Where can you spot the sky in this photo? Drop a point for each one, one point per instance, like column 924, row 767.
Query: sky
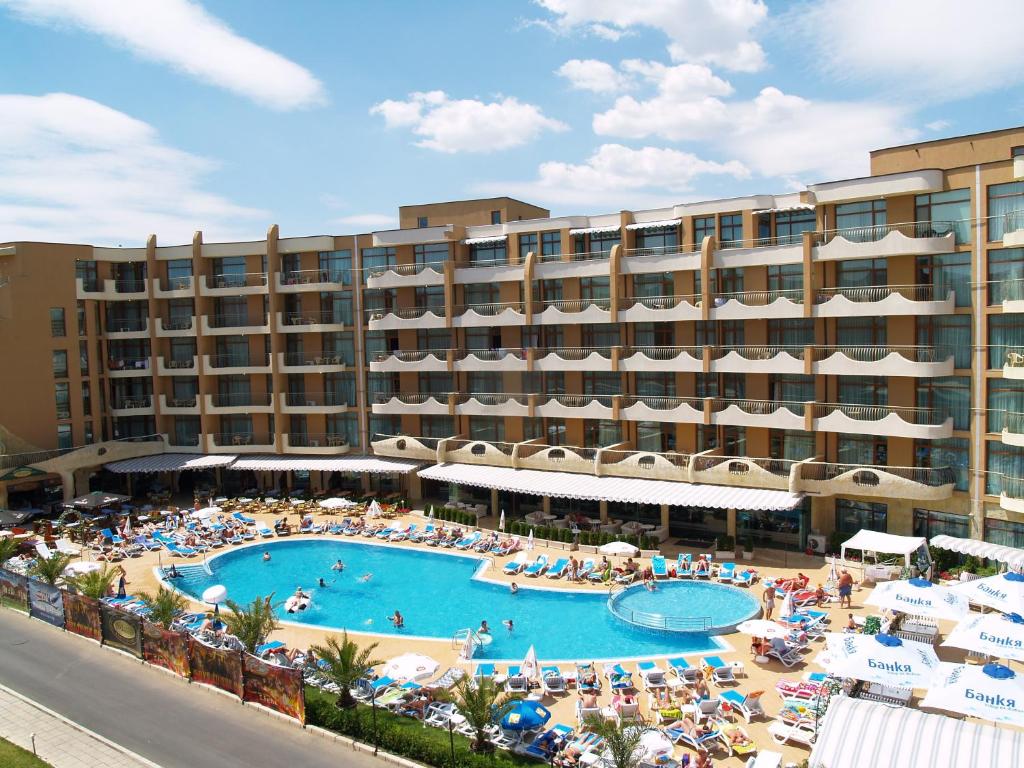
column 121, row 118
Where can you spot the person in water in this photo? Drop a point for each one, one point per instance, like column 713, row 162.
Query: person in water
column 508, row 624
column 397, row 619
column 299, row 594
column 366, row 577
column 484, row 629
column 338, row 566
column 322, row 583
column 266, row 557
column 515, row 588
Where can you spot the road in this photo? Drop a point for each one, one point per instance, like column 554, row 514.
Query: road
column 148, row 713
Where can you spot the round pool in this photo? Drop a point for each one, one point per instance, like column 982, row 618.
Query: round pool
column 438, row 594
column 684, row 606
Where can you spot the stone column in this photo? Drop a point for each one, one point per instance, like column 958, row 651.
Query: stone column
column 604, row 511
column 730, row 523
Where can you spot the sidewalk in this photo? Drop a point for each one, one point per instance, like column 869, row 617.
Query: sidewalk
column 59, row 742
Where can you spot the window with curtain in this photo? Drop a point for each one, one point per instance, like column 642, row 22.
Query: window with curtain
column 949, row 334
column 947, row 272
column 1004, row 396
column 703, row 226
column 1005, row 532
column 1002, row 461
column 931, row 522
column 551, row 243
column 60, row 363
column 599, row 383
column 601, row 336
column 484, row 382
column 863, row 221
column 655, row 384
column 949, row 452
column 491, row 252
column 336, row 266
column 340, row 388
column 654, row 334
column 655, row 436
column 344, row 425
column 653, row 284
column 858, row 273
column 795, row 332
column 594, row 288
column 1005, row 334
column 431, row 253
column 490, row 428
column 602, row 242
column 429, row 296
column 730, row 230
column 386, row 425
column 1005, row 275
column 544, row 382
column 728, row 280
column 527, row 245
column 478, row 293
column 860, row 331
column 1004, row 201
column 793, row 388
column 862, row 449
column 601, row 432
column 852, row 516
column 941, row 212
column 435, row 383
column 337, row 306
column 786, row 277
column 658, row 237
column 791, row 445
column 377, row 259
column 728, row 385
column 948, row 396
column 790, row 225
column 433, row 338
column 437, row 426
column 864, row 390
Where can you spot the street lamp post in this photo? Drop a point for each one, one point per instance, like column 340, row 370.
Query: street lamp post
column 451, row 740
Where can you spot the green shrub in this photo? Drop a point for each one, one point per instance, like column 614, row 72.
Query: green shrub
column 725, row 543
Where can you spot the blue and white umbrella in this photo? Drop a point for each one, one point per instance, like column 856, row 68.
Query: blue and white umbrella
column 994, row 634
column 991, row 692
column 883, row 659
column 525, row 715
column 919, row 597
column 1004, row 592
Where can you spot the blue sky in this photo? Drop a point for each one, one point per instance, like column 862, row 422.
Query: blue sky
column 121, row 117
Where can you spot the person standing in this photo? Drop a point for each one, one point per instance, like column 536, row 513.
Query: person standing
column 122, row 582
column 845, row 589
column 769, row 601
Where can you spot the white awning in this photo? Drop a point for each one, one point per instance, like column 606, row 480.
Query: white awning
column 1012, row 556
column 373, row 464
column 626, row 489
column 482, row 240
column 169, row 462
column 890, row 544
column 857, row 733
column 655, row 224
column 797, row 207
column 594, row 230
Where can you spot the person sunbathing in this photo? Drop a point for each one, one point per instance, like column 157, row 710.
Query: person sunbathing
column 701, row 690
column 588, row 700
column 737, row 737
column 568, row 757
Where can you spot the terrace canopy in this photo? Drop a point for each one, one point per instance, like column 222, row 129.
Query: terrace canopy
column 169, row 462
column 96, row 500
column 357, row 464
column 1012, row 556
column 876, row 541
column 857, row 733
column 622, row 489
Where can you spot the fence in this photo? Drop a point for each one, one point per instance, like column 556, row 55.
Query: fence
column 243, row 675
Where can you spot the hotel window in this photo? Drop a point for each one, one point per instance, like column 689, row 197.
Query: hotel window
column 375, row 260
column 719, row 333
column 786, row 277
column 336, row 265
column 727, row 281
column 340, row 388
column 862, row 222
column 703, row 226
column 730, row 386
column 551, row 243
column 433, row 339
column 179, row 274
column 434, row 383
column 495, row 217
column 381, row 386
column 62, row 396
column 338, row 345
column 64, row 439
column 949, row 452
column 852, row 516
column 527, row 244
column 864, row 390
column 179, row 313
column 1005, row 201
column 491, row 252
column 437, row 426
column 1005, row 275
column 86, row 272
column 421, row 222
column 791, row 388
column 598, row 433
column 60, row 364
column 947, row 272
column 653, row 284
column 83, row 357
column 859, row 273
column 1002, row 461
column 594, row 288
column 57, row 327
column 229, row 272
column 790, row 226
column 1004, row 396
column 860, row 331
column 664, row 238
column 90, row 438
column 930, row 522
column 948, row 396
column 478, row 293
column 546, row 291
column 796, row 332
column 431, row 253
column 949, row 334
column 82, row 323
column 601, row 335
column 654, row 334
column 543, row 336
column 865, row 450
column 790, row 445
column 484, row 382
column 601, row 384
column 482, row 338
column 655, row 436
column 544, row 383
column 1004, row 532
column 86, row 399
column 730, row 230
column 386, row 425
column 380, row 300
column 336, row 306
column 552, row 431
column 656, row 384
column 1005, row 335
column 184, row 389
column 489, row 428
column 603, row 242
column 941, row 212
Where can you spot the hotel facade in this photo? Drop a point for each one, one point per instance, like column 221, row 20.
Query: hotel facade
column 776, row 367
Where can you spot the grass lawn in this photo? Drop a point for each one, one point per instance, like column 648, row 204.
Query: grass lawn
column 12, row 756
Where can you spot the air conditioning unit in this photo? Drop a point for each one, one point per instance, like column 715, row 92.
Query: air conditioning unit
column 817, row 542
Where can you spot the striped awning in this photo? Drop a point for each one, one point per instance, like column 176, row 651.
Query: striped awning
column 857, row 733
column 1012, row 556
column 570, row 485
column 654, row 224
column 372, row 464
column 482, row 240
column 169, row 462
column 797, row 207
column 595, row 230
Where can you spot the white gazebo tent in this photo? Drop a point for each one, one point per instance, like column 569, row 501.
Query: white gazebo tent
column 913, row 549
column 857, row 733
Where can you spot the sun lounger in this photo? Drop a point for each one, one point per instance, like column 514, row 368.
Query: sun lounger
column 618, row 678
column 652, row 675
column 267, row 647
column 749, row 706
column 547, row 743
column 242, row 518
column 66, row 547
column 468, row 541
column 112, row 537
column 394, row 696
column 558, row 569
column 726, row 572
column 537, row 566
column 421, row 535
column 586, row 569
column 800, row 731
column 658, row 568
column 697, row 743
column 583, row 714
column 745, row 578
column 797, row 689
column 367, row 690
column 516, row 682
column 789, row 658
column 680, row 668
column 732, row 748
column 439, row 713
column 177, row 551
column 403, row 535
column 721, row 672
column 587, row 680
column 627, row 577
column 483, row 671
column 765, row 759
column 551, row 680
column 517, row 564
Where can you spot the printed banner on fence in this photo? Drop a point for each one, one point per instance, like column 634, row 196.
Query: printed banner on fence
column 278, row 688
column 45, row 602
column 217, row 667
column 163, row 648
column 13, row 589
column 82, row 616
column 122, row 630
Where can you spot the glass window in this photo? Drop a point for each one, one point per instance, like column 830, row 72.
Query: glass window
column 495, row 217
column 82, row 323
column 229, row 271
column 386, row 425
column 377, row 260
column 603, row 242
column 433, row 339
column 64, row 439
column 791, row 445
column 719, row 333
column 666, row 238
column 655, row 384
column 336, row 306
column 477, row 293
column 949, row 452
column 421, row 222
column 860, row 331
column 1005, row 532
column 491, row 252
column 1005, row 335
column 858, row 273
column 60, row 364
column 949, row 334
column 940, row 212
column 86, row 272
column 852, row 516
column 728, row 280
column 1004, row 202
column 791, row 388
column 601, row 432
column 431, row 253
column 527, row 244
column 863, row 221
column 336, row 265
column 790, row 225
column 551, row 243
column 730, row 230
column 786, row 277
column 866, row 450
column 63, row 398
column 86, row 399
column 655, row 436
column 1005, row 275
column 435, row 383
column 1004, row 396
column 179, row 274
column 654, row 334
column 930, row 522
column 948, row 396
column 490, row 428
column 595, row 383
column 594, row 288
column 795, row 332
column 864, row 390
column 703, row 226
column 57, row 328
column 947, row 272
column 1002, row 461
column 89, row 437
column 437, row 426
column 83, row 357
column 601, row 335
column 653, row 284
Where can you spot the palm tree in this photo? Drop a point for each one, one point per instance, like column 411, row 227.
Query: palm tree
column 481, row 703
column 8, row 549
column 94, row 584
column 50, row 569
column 252, row 624
column 622, row 741
column 345, row 664
column 164, row 606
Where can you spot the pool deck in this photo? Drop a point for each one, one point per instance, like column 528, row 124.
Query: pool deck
column 762, row 677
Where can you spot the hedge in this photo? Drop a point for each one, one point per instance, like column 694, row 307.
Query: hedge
column 458, row 516
column 404, row 736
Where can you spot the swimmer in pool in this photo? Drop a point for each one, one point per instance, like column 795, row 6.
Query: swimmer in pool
column 322, row 582
column 484, row 629
column 366, row 577
column 515, row 588
column 397, row 619
column 338, row 566
column 508, row 624
column 266, row 557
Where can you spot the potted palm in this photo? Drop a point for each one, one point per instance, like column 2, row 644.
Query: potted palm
column 252, row 624
column 8, row 549
column 622, row 742
column 344, row 664
column 164, row 606
column 50, row 569
column 725, row 547
column 748, row 547
column 482, row 703
column 95, row 584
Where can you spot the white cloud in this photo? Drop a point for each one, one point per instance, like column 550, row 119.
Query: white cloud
column 74, row 170
column 718, row 32
column 466, row 125
column 616, row 175
column 185, row 36
column 925, row 49
column 368, row 221
column 938, row 125
column 593, row 75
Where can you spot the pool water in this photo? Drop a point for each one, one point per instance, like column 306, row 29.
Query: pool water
column 682, row 601
column 437, row 595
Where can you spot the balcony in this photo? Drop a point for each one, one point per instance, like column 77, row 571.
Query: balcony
column 235, row 324
column 319, row 444
column 111, row 290
column 560, row 458
column 1009, row 293
column 676, row 359
column 488, row 315
column 500, row 404
column 123, row 368
column 404, row 447
column 1013, row 428
column 770, row 414
column 128, row 288
column 741, row 471
column 492, row 454
column 310, row 322
column 312, row 280
column 1013, row 228
column 573, row 359
column 591, row 264
column 173, row 288
column 406, row 317
column 89, row 288
column 239, row 402
column 184, row 367
column 574, row 406
column 236, row 364
column 755, row 305
column 669, row 258
column 170, row 327
column 488, row 360
column 1011, row 494
column 179, row 406
column 128, row 328
column 884, row 420
column 573, row 311
column 424, row 360
column 240, row 442
column 402, row 403
column 678, row 410
column 133, row 406
column 914, row 483
column 882, row 300
column 883, row 240
column 1013, row 368
column 488, row 272
column 305, row 402
column 914, row 361
column 292, row 362
column 249, row 284
column 405, row 275
column 659, row 309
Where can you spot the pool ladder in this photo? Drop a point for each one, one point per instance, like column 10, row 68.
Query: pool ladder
column 468, row 642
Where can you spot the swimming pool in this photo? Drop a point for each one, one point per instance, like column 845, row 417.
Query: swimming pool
column 437, row 595
column 685, row 606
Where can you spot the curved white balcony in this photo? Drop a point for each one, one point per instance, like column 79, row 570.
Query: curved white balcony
column 1011, row 495
column 689, row 359
column 911, row 361
column 490, row 360
column 401, row 446
column 575, row 406
column 561, row 458
column 678, row 410
column 127, row 368
column 165, row 367
column 573, row 312
column 494, row 454
column 581, row 265
column 1013, row 228
column 239, row 403
column 481, row 404
column 881, row 241
column 410, row 361
column 133, row 406
column 885, row 420
column 398, row 404
column 289, row 362
column 573, row 359
column 408, row 317
column 134, row 328
column 168, row 327
column 645, row 465
column 488, row 273
column 173, row 288
column 306, row 402
column 757, row 305
column 882, row 300
column 251, row 284
column 234, row 325
column 762, row 251
column 309, row 322
column 170, row 406
column 658, row 309
column 487, row 315
column 757, row 413
column 310, row 280
column 1010, row 293
column 405, row 276
column 914, row 483
column 240, row 442
column 754, row 359
column 741, row 471
column 315, row 445
column 1013, row 429
column 664, row 259
column 232, row 365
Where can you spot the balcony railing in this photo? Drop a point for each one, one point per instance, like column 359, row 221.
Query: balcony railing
column 1005, row 290
column 237, row 320
column 176, row 323
column 503, row 447
column 874, row 232
column 583, row 256
column 310, row 276
column 612, row 457
column 182, row 402
column 239, row 360
column 1013, row 422
column 406, row 313
column 430, row 443
column 578, row 305
column 759, row 298
column 129, row 285
column 777, row 467
column 184, row 363
column 176, row 284
column 314, row 399
column 919, row 416
column 492, row 355
column 243, row 438
column 128, row 364
column 757, row 407
column 873, row 354
column 126, row 324
column 660, row 402
column 491, row 398
column 1013, row 221
column 407, row 270
column 663, row 250
column 246, row 280
column 659, row 302
column 313, row 358
column 870, row 293
column 489, row 309
column 323, row 317
column 239, row 399
column 575, row 353
column 133, row 403
column 661, row 353
column 930, row 476
column 318, row 440
column 410, row 398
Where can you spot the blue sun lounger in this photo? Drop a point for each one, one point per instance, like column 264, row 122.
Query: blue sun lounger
column 242, row 518
column 681, row 669
column 557, row 570
column 537, row 566
column 720, row 671
column 180, row 551
column 658, row 567
column 684, row 566
column 273, row 645
column 484, row 671
column 112, row 537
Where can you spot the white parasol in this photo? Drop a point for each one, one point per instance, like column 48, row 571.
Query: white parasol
column 1004, row 592
column 618, row 548
column 410, row 666
column 501, row 522
column 787, row 608
column 883, row 659
column 374, row 509
column 919, row 597
column 993, row 634
column 762, row 628
column 992, row 692
column 529, row 668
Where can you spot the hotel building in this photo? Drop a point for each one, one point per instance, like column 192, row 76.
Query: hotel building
column 777, row 367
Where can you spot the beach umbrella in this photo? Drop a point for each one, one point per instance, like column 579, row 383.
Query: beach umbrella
column 529, row 667
column 919, row 597
column 126, row 531
column 992, row 692
column 529, row 541
column 525, row 715
column 206, row 512
column 883, row 659
column 655, row 746
column 81, row 568
column 994, row 634
column 763, row 628
column 787, row 609
column 430, row 517
column 336, row 503
column 410, row 666
column 374, row 509
column 1004, row 592
column 215, row 595
column 501, row 522
column 618, row 548
column 833, row 573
